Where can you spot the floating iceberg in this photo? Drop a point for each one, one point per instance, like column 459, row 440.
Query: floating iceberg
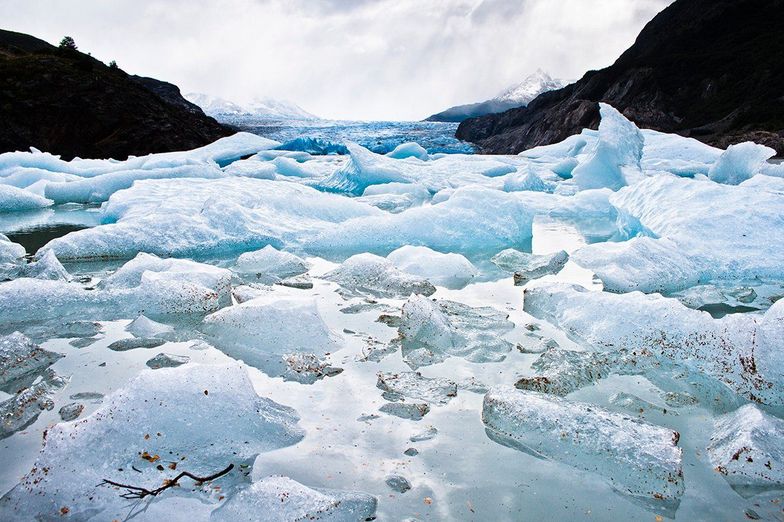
column 366, row 168
column 99, row 188
column 143, row 326
column 706, row 239
column 265, row 329
column 363, row 169
column 527, row 181
column 307, row 368
column 638, row 459
column 473, row 219
column 432, row 331
column 222, row 152
column 167, row 360
column 144, row 285
column 747, row 447
column 560, row 372
column 740, row 162
column 217, row 216
column 641, row 263
column 406, row 410
column 178, row 277
column 369, row 273
column 413, row 385
column 46, row 266
column 740, row 350
column 21, row 360
column 449, row 270
column 530, row 266
column 11, row 258
column 270, row 265
column 199, row 417
column 409, row 149
column 14, row 199
column 616, row 156
column 284, row 500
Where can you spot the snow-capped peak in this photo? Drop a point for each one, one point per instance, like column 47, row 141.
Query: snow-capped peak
column 531, row 87
column 259, row 107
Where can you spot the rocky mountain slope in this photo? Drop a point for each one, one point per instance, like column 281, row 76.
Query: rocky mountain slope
column 68, row 103
column 709, row 69
column 515, row 96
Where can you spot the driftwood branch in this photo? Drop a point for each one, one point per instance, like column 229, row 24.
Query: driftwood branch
column 136, row 492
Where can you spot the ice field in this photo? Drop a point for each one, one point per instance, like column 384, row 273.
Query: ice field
column 591, row 330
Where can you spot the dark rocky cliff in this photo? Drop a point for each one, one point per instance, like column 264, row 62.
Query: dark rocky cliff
column 68, row 103
column 709, row 69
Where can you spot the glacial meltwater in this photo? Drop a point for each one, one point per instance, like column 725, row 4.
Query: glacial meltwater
column 591, row 330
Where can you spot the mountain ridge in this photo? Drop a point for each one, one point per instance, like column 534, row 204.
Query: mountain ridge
column 514, row 96
column 71, row 104
column 708, row 69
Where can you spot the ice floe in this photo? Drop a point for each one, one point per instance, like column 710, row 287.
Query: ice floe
column 369, row 273
column 270, row 265
column 702, row 238
column 432, row 331
column 263, row 330
column 282, row 499
column 449, row 270
column 205, row 417
column 739, row 350
column 638, row 459
column 747, row 447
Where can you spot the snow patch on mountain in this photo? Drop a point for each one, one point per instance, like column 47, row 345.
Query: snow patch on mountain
column 260, row 107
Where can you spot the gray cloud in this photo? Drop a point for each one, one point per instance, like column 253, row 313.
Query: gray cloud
column 368, row 59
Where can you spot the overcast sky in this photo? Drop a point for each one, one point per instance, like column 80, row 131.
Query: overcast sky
column 360, row 59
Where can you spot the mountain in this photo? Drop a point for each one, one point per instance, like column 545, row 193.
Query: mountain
column 265, row 108
column 68, row 103
column 516, row 96
column 709, row 69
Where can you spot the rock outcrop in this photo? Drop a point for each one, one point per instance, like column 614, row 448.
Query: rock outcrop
column 68, row 103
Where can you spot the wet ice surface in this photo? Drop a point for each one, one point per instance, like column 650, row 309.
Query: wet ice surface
column 611, row 406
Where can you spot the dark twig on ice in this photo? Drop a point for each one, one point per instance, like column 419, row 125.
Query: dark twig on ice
column 136, row 492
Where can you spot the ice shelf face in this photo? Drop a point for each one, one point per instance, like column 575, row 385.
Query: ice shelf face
column 637, row 458
column 126, row 434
